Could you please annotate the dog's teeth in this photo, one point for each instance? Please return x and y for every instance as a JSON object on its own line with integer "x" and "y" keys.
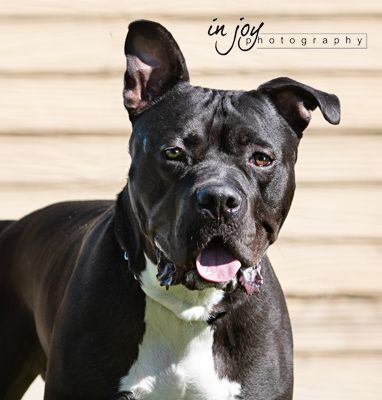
{"x": 259, "y": 280}
{"x": 249, "y": 274}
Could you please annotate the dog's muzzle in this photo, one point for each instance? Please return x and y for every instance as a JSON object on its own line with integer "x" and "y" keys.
{"x": 215, "y": 266}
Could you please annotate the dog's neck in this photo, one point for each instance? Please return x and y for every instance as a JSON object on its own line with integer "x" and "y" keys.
{"x": 127, "y": 232}
{"x": 188, "y": 305}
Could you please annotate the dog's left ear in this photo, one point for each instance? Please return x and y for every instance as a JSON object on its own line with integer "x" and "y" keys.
{"x": 294, "y": 101}
{"x": 154, "y": 65}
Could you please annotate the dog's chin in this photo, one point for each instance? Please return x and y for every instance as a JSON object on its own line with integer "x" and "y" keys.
{"x": 214, "y": 267}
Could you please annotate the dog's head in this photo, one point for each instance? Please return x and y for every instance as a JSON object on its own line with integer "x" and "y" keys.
{"x": 212, "y": 171}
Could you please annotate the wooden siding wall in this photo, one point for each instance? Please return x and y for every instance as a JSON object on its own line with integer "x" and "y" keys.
{"x": 64, "y": 134}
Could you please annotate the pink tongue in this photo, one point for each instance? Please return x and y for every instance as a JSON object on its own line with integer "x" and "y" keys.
{"x": 216, "y": 264}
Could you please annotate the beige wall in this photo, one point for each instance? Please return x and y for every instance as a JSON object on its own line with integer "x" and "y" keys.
{"x": 64, "y": 133}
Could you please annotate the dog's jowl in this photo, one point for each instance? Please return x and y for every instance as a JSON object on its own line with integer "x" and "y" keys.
{"x": 166, "y": 293}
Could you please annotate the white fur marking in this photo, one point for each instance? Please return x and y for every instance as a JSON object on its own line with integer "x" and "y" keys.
{"x": 189, "y": 305}
{"x": 175, "y": 358}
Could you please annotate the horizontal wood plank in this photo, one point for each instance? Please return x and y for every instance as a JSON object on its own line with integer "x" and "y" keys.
{"x": 96, "y": 46}
{"x": 186, "y": 9}
{"x": 85, "y": 106}
{"x": 318, "y": 269}
{"x": 52, "y": 161}
{"x": 58, "y": 161}
{"x": 94, "y": 106}
{"x": 339, "y": 159}
{"x": 336, "y": 325}
{"x": 335, "y": 213}
{"x": 339, "y": 378}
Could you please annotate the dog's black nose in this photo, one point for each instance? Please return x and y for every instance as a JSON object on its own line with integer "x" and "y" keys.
{"x": 219, "y": 201}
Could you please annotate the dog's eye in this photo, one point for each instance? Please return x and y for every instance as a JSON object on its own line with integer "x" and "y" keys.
{"x": 174, "y": 154}
{"x": 261, "y": 160}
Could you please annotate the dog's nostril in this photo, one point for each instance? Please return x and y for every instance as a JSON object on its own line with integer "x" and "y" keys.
{"x": 233, "y": 202}
{"x": 218, "y": 200}
{"x": 205, "y": 199}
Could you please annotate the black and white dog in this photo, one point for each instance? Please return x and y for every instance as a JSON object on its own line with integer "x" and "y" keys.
{"x": 166, "y": 293}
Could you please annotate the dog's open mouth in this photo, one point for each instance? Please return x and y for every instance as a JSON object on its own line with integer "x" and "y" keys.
{"x": 215, "y": 263}
{"x": 215, "y": 266}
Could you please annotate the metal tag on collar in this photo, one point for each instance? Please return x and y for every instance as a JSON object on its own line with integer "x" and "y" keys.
{"x": 126, "y": 258}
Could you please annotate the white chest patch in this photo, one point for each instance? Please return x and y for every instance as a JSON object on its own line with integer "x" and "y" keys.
{"x": 175, "y": 358}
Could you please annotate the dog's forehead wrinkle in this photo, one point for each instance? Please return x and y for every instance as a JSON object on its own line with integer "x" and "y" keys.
{"x": 193, "y": 138}
{"x": 217, "y": 116}
{"x": 244, "y": 120}
{"x": 214, "y": 119}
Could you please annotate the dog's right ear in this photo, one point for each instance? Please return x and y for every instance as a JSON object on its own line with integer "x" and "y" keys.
{"x": 294, "y": 100}
{"x": 154, "y": 65}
